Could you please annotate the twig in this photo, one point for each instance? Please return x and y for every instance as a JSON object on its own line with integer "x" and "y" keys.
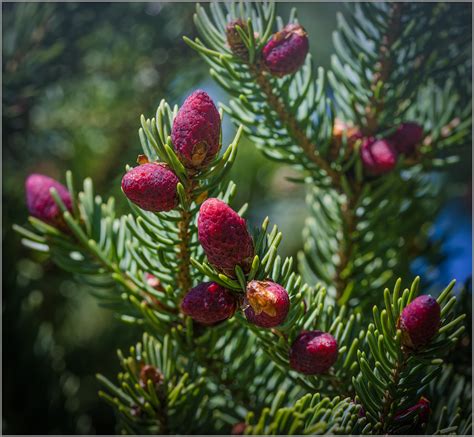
{"x": 384, "y": 69}
{"x": 292, "y": 125}
{"x": 388, "y": 396}
{"x": 373, "y": 110}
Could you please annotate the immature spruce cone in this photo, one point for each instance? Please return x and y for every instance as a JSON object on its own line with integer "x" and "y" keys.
{"x": 313, "y": 352}
{"x": 136, "y": 411}
{"x": 286, "y": 51}
{"x": 407, "y": 137}
{"x": 340, "y": 128}
{"x": 419, "y": 321}
{"x": 361, "y": 410}
{"x": 234, "y": 39}
{"x": 423, "y": 411}
{"x": 152, "y": 187}
{"x": 209, "y": 303}
{"x": 378, "y": 156}
{"x": 196, "y": 131}
{"x": 224, "y": 237}
{"x": 238, "y": 428}
{"x": 149, "y": 372}
{"x": 268, "y": 303}
{"x": 40, "y": 202}
{"x": 153, "y": 282}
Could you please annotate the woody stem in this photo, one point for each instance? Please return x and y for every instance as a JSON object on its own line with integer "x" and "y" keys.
{"x": 372, "y": 112}
{"x": 184, "y": 253}
{"x": 291, "y": 124}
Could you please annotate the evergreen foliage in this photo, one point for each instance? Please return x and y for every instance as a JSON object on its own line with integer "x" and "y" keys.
{"x": 362, "y": 232}
{"x": 291, "y": 120}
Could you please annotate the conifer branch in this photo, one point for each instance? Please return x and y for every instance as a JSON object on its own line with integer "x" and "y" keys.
{"x": 346, "y": 244}
{"x": 388, "y": 397}
{"x": 375, "y": 105}
{"x": 383, "y": 69}
{"x": 184, "y": 281}
{"x": 288, "y": 120}
{"x": 347, "y": 206}
{"x": 397, "y": 370}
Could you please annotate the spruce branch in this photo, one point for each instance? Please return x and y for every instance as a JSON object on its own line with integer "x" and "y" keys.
{"x": 388, "y": 397}
{"x": 346, "y": 246}
{"x": 382, "y": 59}
{"x": 383, "y": 69}
{"x": 392, "y": 375}
{"x": 184, "y": 281}
{"x": 155, "y": 394}
{"x": 291, "y": 124}
{"x": 352, "y": 190}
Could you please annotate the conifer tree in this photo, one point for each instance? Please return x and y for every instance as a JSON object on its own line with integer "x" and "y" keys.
{"x": 236, "y": 338}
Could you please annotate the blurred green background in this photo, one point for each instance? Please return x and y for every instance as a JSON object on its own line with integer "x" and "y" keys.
{"x": 76, "y": 78}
